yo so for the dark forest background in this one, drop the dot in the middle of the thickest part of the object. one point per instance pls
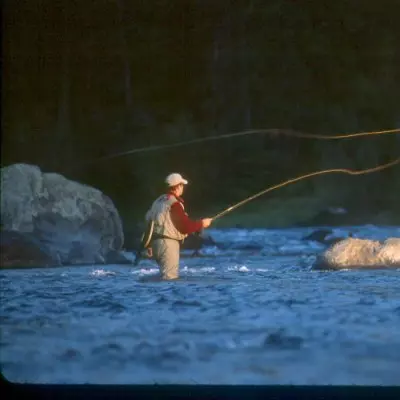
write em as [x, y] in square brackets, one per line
[84, 79]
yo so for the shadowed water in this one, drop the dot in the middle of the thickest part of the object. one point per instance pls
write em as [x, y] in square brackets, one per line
[253, 313]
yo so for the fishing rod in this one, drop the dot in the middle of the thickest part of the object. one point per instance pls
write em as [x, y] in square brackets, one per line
[299, 178]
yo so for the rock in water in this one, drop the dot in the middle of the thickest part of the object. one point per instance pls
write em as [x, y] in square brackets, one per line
[324, 236]
[198, 240]
[18, 249]
[319, 235]
[78, 224]
[360, 253]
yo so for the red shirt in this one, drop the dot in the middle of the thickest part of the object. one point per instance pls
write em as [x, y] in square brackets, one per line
[181, 220]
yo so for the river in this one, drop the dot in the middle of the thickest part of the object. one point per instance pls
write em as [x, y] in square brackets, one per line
[253, 312]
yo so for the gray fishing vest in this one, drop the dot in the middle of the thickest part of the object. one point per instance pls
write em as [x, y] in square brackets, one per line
[159, 213]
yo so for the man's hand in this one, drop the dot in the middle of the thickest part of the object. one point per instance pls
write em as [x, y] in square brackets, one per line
[206, 222]
[149, 252]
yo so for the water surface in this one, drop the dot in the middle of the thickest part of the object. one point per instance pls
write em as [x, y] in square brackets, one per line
[252, 313]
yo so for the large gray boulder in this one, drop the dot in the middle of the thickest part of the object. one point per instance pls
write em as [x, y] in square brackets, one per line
[76, 223]
[360, 253]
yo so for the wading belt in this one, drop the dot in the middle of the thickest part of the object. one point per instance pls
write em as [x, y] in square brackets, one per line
[157, 236]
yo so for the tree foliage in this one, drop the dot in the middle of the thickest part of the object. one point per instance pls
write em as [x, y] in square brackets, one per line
[84, 79]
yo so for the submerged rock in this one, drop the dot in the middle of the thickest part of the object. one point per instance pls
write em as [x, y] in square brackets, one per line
[197, 241]
[360, 253]
[75, 223]
[324, 236]
[318, 235]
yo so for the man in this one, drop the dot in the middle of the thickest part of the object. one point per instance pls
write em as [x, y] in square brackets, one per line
[171, 226]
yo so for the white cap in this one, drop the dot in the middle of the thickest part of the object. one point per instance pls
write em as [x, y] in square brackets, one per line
[175, 179]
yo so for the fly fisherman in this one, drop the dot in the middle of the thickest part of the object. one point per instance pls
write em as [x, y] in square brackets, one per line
[171, 226]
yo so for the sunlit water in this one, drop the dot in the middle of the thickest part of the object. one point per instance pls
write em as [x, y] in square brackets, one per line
[254, 313]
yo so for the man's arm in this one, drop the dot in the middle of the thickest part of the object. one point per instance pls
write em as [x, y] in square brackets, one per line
[182, 222]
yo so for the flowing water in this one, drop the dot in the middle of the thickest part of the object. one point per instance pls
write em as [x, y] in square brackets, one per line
[252, 313]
